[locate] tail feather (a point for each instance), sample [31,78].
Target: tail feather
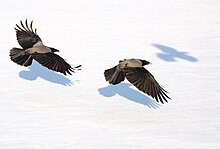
[114,76]
[18,56]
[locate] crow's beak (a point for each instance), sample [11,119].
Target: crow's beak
[54,50]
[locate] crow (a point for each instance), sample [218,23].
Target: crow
[33,48]
[135,73]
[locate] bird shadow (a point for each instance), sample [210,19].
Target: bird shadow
[124,90]
[36,70]
[170,54]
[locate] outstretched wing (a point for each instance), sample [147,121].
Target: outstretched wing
[114,75]
[144,81]
[26,36]
[54,62]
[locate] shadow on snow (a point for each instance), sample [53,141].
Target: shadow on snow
[170,54]
[36,70]
[124,90]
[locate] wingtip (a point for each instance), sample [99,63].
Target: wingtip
[78,66]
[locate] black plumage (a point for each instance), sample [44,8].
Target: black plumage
[33,48]
[135,73]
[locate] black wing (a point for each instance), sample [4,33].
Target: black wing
[26,36]
[144,81]
[54,62]
[114,76]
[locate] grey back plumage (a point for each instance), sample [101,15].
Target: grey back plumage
[130,63]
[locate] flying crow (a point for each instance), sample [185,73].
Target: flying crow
[33,48]
[135,73]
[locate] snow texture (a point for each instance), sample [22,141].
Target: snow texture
[42,109]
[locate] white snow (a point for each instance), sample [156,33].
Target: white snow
[42,109]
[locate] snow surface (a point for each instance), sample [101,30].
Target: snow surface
[42,109]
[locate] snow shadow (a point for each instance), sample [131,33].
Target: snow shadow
[170,54]
[36,70]
[124,90]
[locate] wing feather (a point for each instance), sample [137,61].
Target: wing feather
[54,62]
[144,81]
[26,36]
